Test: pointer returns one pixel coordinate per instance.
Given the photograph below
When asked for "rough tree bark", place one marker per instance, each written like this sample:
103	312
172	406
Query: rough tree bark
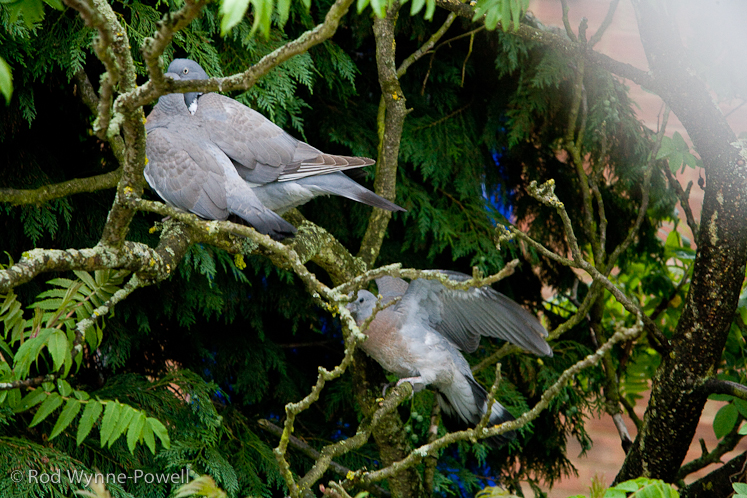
676	401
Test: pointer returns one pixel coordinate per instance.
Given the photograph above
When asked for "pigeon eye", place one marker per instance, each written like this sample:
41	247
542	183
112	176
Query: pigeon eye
185	70
360	300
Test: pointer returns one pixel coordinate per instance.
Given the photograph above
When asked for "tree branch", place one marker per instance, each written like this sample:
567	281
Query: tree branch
563	44
47	193
390	122
724	446
243	81
316	455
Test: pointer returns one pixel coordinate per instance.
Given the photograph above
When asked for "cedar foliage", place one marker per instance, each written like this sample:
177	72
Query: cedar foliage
215	348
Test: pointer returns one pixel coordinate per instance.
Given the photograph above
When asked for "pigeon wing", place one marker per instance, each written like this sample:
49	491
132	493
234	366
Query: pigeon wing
263	152
184	175
464	316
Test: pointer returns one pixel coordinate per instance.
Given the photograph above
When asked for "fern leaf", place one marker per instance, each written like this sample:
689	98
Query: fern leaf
160	430
49	405
90	415
126	415
30	400
135	430
109	422
58	347
72	407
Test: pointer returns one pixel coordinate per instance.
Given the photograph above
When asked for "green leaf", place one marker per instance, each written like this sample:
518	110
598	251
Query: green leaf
50	404
205	486
58	348
679	142
615	493
430	9
416	6
109	422
127	412
6	80
725	420
55	4
379	7
30	400
90	416
628	486
160	430
72	407
740	487
741	406
86	278
135	430
150	441
283	9
232	12
262	16
63	387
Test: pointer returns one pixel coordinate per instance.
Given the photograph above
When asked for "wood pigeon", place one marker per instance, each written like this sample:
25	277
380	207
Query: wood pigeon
420	338
282	171
191	173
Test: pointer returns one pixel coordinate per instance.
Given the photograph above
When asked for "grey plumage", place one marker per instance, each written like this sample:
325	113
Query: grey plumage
283	171
191	173
419	339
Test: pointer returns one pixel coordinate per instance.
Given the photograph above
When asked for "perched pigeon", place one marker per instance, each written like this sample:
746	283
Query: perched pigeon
419	339
282	171
192	173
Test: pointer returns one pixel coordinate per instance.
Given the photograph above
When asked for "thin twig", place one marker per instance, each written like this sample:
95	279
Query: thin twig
315	455
605	24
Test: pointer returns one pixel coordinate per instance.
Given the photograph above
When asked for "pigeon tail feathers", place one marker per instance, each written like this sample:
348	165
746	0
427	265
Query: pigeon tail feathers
464	410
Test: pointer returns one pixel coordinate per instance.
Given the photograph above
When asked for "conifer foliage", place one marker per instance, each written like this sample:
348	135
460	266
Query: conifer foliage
203	358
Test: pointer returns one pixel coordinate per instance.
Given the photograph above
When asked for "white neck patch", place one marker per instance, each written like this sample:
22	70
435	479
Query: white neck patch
193	106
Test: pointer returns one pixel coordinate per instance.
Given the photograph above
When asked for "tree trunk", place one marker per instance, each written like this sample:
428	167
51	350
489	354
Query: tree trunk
676	402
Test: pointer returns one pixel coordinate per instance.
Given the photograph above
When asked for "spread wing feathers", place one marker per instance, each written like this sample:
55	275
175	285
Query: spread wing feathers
390	287
281	196
464	316
261	151
464	402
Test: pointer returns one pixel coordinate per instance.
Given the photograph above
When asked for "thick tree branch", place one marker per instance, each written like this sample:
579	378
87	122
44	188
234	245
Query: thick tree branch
724	446
390	122
47	193
717	386
718	482
313	243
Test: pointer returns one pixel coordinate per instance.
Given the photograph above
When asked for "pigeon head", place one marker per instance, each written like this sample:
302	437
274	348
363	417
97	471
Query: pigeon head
363	306
169	104
188	70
